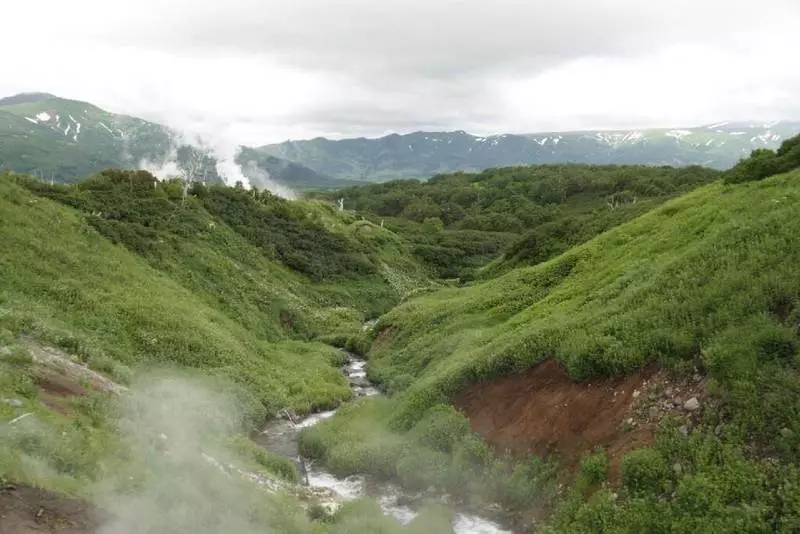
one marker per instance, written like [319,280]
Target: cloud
[261,71]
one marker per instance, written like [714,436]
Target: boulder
[692,405]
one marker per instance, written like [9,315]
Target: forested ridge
[527,214]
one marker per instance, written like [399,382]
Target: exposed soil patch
[383,336]
[60,362]
[55,390]
[543,411]
[25,509]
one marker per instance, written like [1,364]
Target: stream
[281,437]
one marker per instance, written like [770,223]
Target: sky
[260,71]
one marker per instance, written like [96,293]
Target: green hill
[706,283]
[132,273]
[515,215]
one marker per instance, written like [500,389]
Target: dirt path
[27,510]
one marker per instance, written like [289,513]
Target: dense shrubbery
[461,220]
[285,231]
[764,163]
[133,208]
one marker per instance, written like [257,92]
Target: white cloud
[247,71]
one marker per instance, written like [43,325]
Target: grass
[683,285]
[438,452]
[708,281]
[90,455]
[67,285]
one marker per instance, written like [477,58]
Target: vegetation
[438,452]
[706,281]
[183,287]
[603,271]
[641,292]
[460,222]
[764,163]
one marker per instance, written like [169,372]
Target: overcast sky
[258,71]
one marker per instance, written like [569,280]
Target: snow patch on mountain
[34,121]
[43,116]
[678,134]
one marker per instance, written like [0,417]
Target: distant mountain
[422,154]
[66,140]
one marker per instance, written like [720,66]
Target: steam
[261,179]
[225,154]
[165,169]
[179,480]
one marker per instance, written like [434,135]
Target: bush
[645,471]
[441,428]
[594,467]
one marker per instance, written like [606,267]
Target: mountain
[423,154]
[66,140]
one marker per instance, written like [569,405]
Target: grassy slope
[707,280]
[65,283]
[669,286]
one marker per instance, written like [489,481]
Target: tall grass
[707,280]
[67,285]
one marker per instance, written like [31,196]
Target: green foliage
[439,451]
[440,429]
[594,467]
[282,229]
[467,219]
[602,309]
[211,303]
[764,163]
[273,464]
[643,471]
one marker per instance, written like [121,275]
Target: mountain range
[423,154]
[65,140]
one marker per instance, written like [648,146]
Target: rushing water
[281,437]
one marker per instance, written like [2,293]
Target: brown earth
[543,411]
[55,390]
[28,510]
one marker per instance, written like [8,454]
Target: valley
[549,348]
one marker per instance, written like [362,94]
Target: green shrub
[594,467]
[440,429]
[645,471]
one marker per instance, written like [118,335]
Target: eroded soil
[543,411]
[27,510]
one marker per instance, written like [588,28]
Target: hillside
[146,328]
[220,279]
[422,154]
[698,296]
[66,140]
[516,215]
